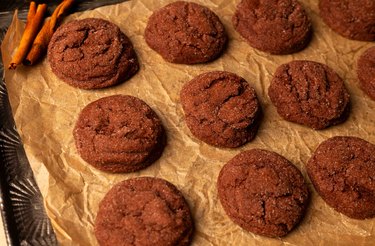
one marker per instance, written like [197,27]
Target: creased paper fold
[45,111]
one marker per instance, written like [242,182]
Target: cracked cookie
[221,109]
[342,170]
[143,211]
[119,134]
[351,19]
[91,54]
[263,192]
[309,93]
[186,33]
[366,72]
[274,26]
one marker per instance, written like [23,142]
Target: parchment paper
[45,110]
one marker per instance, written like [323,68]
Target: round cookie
[186,33]
[91,54]
[273,26]
[310,94]
[366,72]
[342,170]
[119,134]
[263,192]
[143,211]
[221,109]
[351,19]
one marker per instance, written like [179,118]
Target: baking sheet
[45,110]
[24,220]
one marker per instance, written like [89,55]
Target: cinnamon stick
[40,44]
[30,14]
[33,23]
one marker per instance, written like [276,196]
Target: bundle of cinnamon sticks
[35,38]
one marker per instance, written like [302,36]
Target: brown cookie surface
[119,134]
[273,26]
[91,53]
[342,170]
[143,211]
[366,72]
[310,94]
[351,19]
[186,32]
[221,109]
[263,192]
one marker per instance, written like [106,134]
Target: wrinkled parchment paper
[45,110]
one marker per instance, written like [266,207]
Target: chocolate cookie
[119,134]
[91,54]
[143,211]
[185,32]
[263,192]
[342,170]
[351,19]
[366,72]
[309,93]
[221,109]
[273,26]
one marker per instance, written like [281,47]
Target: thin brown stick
[41,42]
[30,14]
[33,23]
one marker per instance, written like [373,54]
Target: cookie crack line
[309,93]
[205,120]
[140,214]
[208,17]
[294,89]
[339,173]
[273,27]
[340,170]
[237,93]
[91,53]
[177,20]
[186,33]
[221,109]
[263,192]
[144,208]
[197,35]
[271,18]
[214,82]
[84,30]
